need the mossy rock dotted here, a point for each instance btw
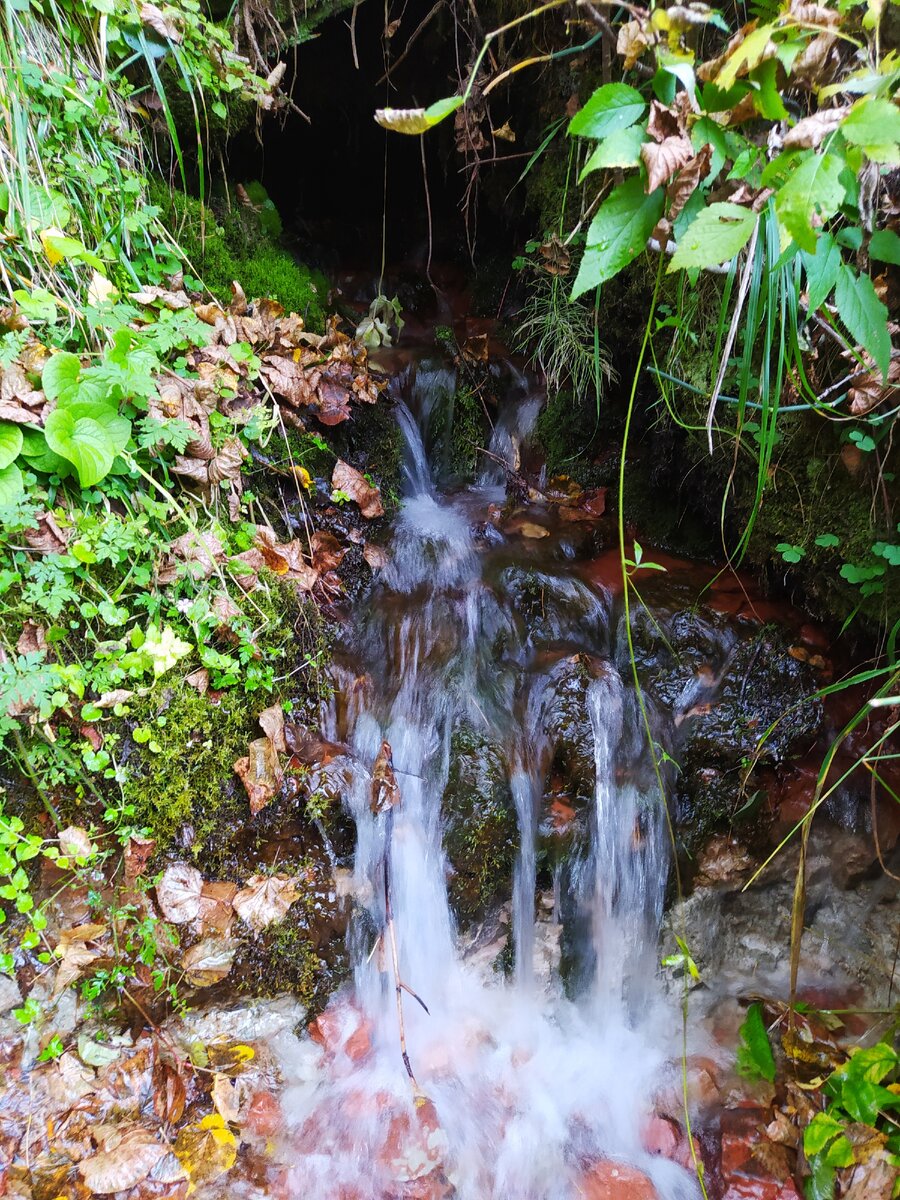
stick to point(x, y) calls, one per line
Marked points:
point(480, 827)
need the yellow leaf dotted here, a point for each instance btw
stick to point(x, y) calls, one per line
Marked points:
point(100, 289)
point(303, 477)
point(206, 1150)
point(47, 241)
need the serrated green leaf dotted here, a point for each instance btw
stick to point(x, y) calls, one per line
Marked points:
point(613, 106)
point(821, 270)
point(618, 233)
point(620, 149)
point(715, 236)
point(874, 124)
point(819, 1132)
point(814, 187)
point(10, 443)
point(864, 315)
point(754, 1056)
point(884, 246)
point(766, 95)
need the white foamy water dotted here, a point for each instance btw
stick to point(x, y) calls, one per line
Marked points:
point(517, 1088)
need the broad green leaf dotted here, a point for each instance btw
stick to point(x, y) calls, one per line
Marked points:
point(885, 247)
point(716, 236)
point(707, 132)
point(864, 315)
point(12, 485)
point(60, 377)
point(766, 95)
point(874, 124)
point(872, 1063)
point(89, 436)
point(618, 233)
point(745, 56)
point(613, 106)
point(821, 270)
point(40, 457)
point(754, 1056)
point(813, 187)
point(620, 149)
point(819, 1132)
point(10, 443)
point(418, 120)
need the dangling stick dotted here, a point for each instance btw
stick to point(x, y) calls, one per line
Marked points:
point(385, 798)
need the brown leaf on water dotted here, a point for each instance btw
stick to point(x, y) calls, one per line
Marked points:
point(125, 1165)
point(217, 907)
point(810, 132)
point(169, 1092)
point(265, 899)
point(375, 556)
point(663, 159)
point(138, 853)
point(32, 639)
point(327, 551)
point(345, 478)
point(206, 1150)
point(261, 773)
point(385, 790)
point(631, 42)
point(209, 961)
point(685, 183)
point(153, 17)
point(271, 722)
point(46, 536)
point(178, 893)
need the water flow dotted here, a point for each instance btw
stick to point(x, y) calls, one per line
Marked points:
point(517, 1090)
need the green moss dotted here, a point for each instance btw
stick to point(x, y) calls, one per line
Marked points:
point(224, 244)
point(469, 430)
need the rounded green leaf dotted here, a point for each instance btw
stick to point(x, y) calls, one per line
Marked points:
point(40, 457)
point(60, 377)
point(12, 485)
point(89, 436)
point(10, 443)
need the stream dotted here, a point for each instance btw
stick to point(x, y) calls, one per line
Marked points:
point(518, 1091)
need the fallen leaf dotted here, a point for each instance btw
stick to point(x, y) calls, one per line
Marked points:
point(74, 842)
point(385, 791)
point(71, 967)
point(227, 463)
point(178, 893)
point(206, 1150)
point(216, 907)
point(198, 680)
point(32, 639)
point(138, 853)
point(169, 1092)
point(347, 479)
point(663, 159)
point(261, 773)
point(327, 551)
point(209, 961)
point(233, 1097)
point(111, 699)
point(285, 558)
point(176, 301)
point(132, 1159)
point(271, 722)
point(375, 556)
point(46, 536)
point(332, 402)
point(265, 899)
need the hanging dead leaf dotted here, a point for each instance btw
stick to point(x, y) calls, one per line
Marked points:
point(206, 1150)
point(816, 63)
point(664, 122)
point(685, 183)
point(130, 1161)
point(327, 551)
point(347, 479)
point(153, 17)
point(810, 132)
point(265, 899)
point(261, 773)
point(209, 961)
point(663, 159)
point(505, 133)
point(385, 791)
point(867, 393)
point(178, 893)
point(556, 256)
point(631, 42)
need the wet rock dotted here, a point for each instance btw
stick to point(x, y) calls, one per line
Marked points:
point(480, 827)
point(722, 860)
point(342, 1029)
point(10, 996)
point(609, 1180)
point(250, 1021)
point(753, 1168)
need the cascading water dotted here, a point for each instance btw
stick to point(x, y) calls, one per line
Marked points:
point(517, 1091)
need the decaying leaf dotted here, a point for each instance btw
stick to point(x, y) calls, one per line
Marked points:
point(286, 558)
point(687, 181)
point(169, 1092)
point(138, 853)
point(375, 556)
point(32, 639)
point(265, 899)
point(74, 842)
point(46, 536)
point(385, 791)
point(271, 722)
point(664, 158)
point(206, 1150)
point(327, 553)
point(233, 1097)
point(178, 893)
point(209, 961)
point(260, 772)
point(130, 1161)
point(152, 16)
point(72, 964)
point(631, 42)
point(812, 131)
point(216, 907)
point(347, 479)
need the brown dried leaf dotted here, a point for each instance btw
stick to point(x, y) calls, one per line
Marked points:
point(216, 907)
point(261, 773)
point(663, 159)
point(867, 393)
point(287, 378)
point(664, 122)
point(247, 566)
point(327, 551)
point(132, 1159)
point(271, 722)
point(227, 463)
point(347, 479)
point(169, 1092)
point(632, 42)
point(687, 180)
point(812, 65)
point(209, 313)
point(332, 402)
point(192, 468)
point(285, 558)
point(209, 961)
point(32, 639)
point(812, 131)
point(74, 842)
point(75, 958)
point(233, 1097)
point(238, 305)
point(265, 899)
point(111, 699)
point(46, 536)
point(138, 853)
point(178, 893)
point(385, 791)
point(198, 680)
point(15, 388)
point(176, 301)
point(375, 556)
point(206, 1149)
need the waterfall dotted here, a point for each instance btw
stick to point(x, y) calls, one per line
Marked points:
point(517, 1089)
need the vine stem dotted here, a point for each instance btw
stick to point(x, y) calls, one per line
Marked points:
point(645, 716)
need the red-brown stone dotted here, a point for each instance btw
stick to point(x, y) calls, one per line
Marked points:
point(609, 1180)
point(264, 1117)
point(744, 1175)
point(342, 1028)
